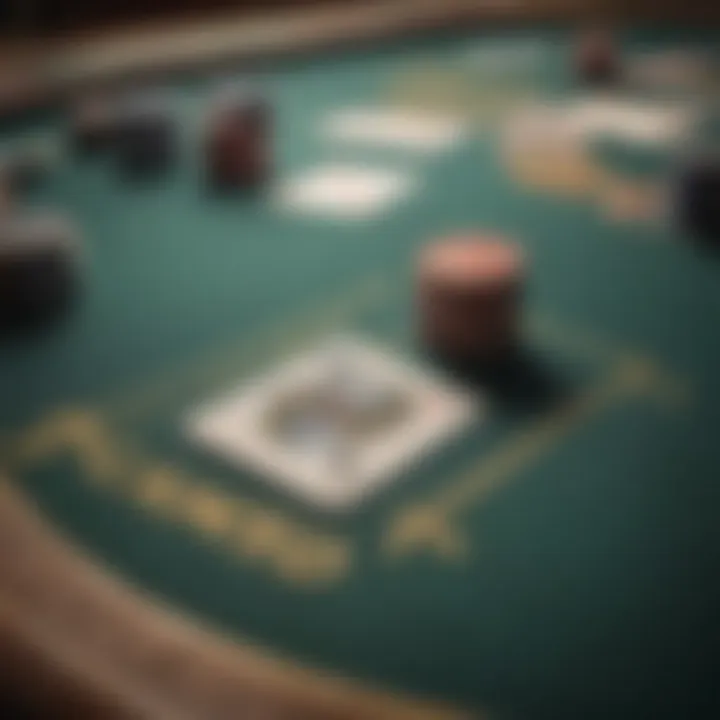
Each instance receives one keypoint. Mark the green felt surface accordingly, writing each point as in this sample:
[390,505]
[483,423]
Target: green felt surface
[589,579]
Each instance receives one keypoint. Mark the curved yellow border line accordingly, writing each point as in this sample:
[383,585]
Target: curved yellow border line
[69,632]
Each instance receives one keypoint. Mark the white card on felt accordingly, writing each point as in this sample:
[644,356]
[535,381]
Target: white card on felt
[343,191]
[540,128]
[642,122]
[406,129]
[241,426]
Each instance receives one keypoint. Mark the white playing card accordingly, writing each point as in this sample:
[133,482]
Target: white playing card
[540,128]
[343,192]
[406,129]
[641,122]
[320,462]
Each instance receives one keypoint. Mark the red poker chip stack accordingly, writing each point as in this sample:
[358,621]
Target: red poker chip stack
[597,58]
[237,149]
[469,297]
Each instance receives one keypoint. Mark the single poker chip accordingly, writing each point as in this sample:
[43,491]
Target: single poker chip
[146,137]
[470,289]
[472,261]
[27,165]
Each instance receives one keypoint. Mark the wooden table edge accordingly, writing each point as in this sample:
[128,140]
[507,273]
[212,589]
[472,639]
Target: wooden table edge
[73,635]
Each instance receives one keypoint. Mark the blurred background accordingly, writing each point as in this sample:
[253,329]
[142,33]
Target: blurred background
[21,17]
[51,16]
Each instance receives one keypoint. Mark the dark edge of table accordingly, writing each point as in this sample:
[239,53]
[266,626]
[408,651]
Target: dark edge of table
[376,21]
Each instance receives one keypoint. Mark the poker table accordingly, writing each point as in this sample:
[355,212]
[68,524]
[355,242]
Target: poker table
[557,559]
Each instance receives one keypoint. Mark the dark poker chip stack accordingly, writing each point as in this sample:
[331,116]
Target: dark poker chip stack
[145,140]
[696,197]
[23,170]
[38,270]
[93,124]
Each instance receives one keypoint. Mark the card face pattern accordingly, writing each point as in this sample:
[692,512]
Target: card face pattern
[334,425]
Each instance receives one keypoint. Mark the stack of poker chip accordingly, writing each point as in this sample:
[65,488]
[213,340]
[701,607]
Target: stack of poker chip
[93,123]
[237,148]
[145,135]
[39,266]
[469,291]
[27,165]
[597,58]
[695,194]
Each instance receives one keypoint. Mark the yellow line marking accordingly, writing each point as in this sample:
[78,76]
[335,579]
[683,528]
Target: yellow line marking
[77,430]
[228,362]
[433,87]
[423,527]
[71,592]
[571,339]
[567,170]
[570,171]
[255,534]
[157,489]
[629,201]
[670,390]
[430,525]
